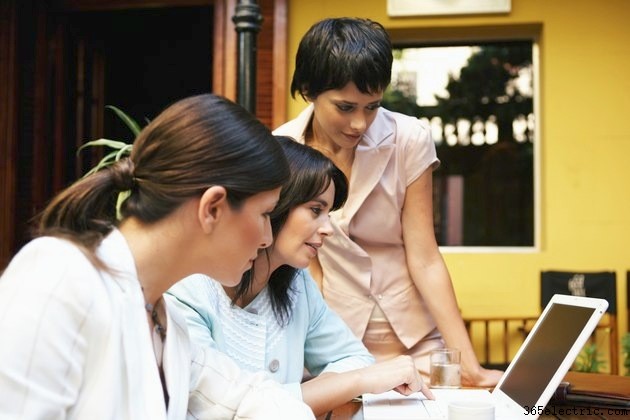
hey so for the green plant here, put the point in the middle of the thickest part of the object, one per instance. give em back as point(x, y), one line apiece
point(588, 360)
point(625, 349)
point(121, 150)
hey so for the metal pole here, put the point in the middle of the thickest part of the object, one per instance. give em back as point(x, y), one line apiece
point(248, 20)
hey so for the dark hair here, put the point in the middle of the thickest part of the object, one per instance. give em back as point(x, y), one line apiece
point(195, 143)
point(337, 51)
point(311, 174)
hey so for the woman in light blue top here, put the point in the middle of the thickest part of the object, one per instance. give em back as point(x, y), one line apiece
point(276, 319)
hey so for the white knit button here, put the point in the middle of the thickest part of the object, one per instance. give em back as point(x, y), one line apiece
point(274, 366)
point(380, 296)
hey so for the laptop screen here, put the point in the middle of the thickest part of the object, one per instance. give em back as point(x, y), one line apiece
point(540, 359)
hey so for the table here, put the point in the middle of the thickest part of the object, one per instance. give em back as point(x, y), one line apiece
point(352, 410)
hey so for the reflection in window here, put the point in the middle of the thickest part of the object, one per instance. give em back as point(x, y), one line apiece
point(478, 101)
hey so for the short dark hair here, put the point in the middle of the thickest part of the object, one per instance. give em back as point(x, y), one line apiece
point(337, 51)
point(311, 175)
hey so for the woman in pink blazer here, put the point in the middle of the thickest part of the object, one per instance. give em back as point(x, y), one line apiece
point(381, 270)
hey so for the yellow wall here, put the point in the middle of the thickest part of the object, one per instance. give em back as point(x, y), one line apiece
point(584, 140)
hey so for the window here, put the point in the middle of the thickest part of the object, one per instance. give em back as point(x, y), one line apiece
point(479, 100)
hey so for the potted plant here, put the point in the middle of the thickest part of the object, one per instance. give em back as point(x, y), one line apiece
point(588, 360)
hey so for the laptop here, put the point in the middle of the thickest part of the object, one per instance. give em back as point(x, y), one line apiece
point(530, 380)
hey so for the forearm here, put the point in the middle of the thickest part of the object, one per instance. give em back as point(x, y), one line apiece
point(442, 305)
point(329, 390)
point(441, 301)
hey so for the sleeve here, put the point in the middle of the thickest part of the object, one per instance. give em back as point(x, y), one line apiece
point(194, 300)
point(220, 390)
point(417, 148)
point(330, 344)
point(45, 300)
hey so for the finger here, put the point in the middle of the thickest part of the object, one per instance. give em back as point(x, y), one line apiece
point(426, 391)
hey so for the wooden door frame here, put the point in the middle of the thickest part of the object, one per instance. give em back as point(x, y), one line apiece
point(224, 60)
point(8, 127)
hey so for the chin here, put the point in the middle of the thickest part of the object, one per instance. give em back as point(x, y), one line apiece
point(229, 280)
point(302, 264)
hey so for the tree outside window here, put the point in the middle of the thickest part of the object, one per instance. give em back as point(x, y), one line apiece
point(478, 100)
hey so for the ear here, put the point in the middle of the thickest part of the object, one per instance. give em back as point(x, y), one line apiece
point(212, 206)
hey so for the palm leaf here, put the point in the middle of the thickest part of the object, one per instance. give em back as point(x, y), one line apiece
point(114, 144)
point(125, 151)
point(107, 160)
point(130, 122)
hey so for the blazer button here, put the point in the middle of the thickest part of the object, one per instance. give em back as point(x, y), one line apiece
point(274, 366)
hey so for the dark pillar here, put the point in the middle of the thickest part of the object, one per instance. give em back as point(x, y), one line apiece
point(248, 20)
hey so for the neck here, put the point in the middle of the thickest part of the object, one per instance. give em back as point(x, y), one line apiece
point(341, 157)
point(154, 248)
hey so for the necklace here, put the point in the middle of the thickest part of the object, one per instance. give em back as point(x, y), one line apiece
point(158, 334)
point(158, 327)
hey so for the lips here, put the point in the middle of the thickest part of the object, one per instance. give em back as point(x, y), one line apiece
point(314, 247)
point(353, 137)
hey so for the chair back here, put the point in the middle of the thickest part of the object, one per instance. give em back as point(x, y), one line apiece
point(600, 284)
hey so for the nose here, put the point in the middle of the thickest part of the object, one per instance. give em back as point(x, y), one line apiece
point(267, 236)
point(326, 228)
point(358, 122)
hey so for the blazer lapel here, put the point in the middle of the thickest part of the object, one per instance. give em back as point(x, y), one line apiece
point(176, 364)
point(370, 161)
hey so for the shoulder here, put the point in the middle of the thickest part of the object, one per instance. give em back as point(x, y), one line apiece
point(305, 284)
point(54, 276)
point(199, 299)
point(406, 129)
point(196, 289)
point(47, 258)
point(309, 296)
point(412, 140)
point(49, 248)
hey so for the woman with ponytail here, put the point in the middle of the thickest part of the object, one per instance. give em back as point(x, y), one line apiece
point(85, 330)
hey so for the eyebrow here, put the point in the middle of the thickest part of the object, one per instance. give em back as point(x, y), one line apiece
point(320, 201)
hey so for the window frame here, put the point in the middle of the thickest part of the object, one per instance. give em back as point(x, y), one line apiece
point(428, 37)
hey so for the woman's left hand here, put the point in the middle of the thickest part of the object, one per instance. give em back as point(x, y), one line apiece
point(480, 377)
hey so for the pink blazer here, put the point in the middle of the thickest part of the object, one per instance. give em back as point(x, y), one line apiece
point(364, 262)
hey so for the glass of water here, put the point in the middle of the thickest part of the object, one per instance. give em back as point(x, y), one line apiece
point(445, 369)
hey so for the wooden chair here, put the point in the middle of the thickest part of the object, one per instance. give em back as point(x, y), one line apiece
point(498, 337)
point(599, 284)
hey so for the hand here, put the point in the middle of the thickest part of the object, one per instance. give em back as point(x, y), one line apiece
point(399, 374)
point(480, 377)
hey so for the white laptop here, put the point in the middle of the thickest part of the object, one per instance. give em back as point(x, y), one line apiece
point(529, 381)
